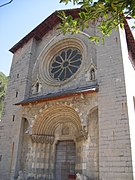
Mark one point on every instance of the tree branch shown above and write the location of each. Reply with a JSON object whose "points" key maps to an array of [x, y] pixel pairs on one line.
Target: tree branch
{"points": [[6, 3]]}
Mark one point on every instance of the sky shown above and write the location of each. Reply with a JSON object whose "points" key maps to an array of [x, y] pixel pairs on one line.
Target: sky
{"points": [[17, 19]]}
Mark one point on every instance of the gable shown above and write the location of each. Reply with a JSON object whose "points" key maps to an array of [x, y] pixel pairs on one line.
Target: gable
{"points": [[43, 28]]}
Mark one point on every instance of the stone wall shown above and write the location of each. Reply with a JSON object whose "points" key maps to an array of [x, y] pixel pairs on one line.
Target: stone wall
{"points": [[38, 158], [106, 152], [18, 89], [115, 159]]}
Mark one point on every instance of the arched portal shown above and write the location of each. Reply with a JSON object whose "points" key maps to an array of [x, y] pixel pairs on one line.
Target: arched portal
{"points": [[55, 134], [44, 127]]}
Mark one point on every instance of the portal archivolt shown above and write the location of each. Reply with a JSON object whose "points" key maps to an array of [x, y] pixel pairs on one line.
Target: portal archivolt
{"points": [[44, 127]]}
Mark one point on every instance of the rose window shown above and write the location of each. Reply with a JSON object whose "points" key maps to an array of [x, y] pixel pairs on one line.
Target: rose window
{"points": [[65, 64]]}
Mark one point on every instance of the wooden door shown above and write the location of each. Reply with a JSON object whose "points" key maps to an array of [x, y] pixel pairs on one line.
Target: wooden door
{"points": [[65, 160]]}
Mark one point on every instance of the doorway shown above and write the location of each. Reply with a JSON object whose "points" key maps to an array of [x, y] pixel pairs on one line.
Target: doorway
{"points": [[65, 160]]}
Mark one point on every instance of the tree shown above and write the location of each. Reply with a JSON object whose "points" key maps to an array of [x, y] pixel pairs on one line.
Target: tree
{"points": [[3, 87], [107, 14]]}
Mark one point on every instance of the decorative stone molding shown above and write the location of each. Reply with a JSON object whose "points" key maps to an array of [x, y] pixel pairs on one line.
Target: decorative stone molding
{"points": [[44, 59], [65, 130], [53, 116], [47, 139], [43, 130], [82, 134]]}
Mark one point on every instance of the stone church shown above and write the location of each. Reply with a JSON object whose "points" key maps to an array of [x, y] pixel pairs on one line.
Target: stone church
{"points": [[70, 106]]}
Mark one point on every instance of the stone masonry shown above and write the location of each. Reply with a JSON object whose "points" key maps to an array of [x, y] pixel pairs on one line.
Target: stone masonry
{"points": [[70, 106]]}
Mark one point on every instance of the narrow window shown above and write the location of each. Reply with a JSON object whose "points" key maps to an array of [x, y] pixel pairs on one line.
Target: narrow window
{"points": [[16, 94], [12, 152], [134, 101], [13, 118], [37, 87], [17, 76], [92, 74], [0, 157]]}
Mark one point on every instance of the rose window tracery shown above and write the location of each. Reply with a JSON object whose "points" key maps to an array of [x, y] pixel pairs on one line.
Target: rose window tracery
{"points": [[65, 63]]}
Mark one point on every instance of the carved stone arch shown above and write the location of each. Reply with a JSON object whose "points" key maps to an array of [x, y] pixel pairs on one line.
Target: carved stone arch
{"points": [[25, 118], [25, 124], [50, 115], [25, 143], [90, 118], [46, 124], [93, 142], [95, 108]]}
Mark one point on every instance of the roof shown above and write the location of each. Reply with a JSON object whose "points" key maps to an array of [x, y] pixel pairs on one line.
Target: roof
{"points": [[130, 39], [48, 24], [59, 95]]}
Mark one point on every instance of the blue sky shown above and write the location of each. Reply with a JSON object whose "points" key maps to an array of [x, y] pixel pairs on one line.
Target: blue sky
{"points": [[19, 18]]}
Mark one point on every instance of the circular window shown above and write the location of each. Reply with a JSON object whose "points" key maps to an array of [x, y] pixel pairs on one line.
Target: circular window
{"points": [[65, 63]]}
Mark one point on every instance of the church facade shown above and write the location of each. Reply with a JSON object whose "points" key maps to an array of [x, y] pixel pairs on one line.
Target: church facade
{"points": [[70, 106]]}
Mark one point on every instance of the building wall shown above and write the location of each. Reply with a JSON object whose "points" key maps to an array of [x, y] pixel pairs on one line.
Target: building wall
{"points": [[40, 157], [115, 159], [54, 42], [129, 73], [106, 152], [18, 89]]}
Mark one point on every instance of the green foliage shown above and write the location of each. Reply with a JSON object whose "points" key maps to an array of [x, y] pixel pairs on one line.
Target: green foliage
{"points": [[3, 86], [107, 14]]}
